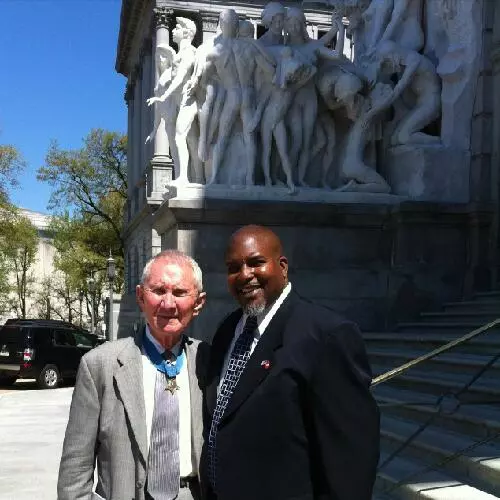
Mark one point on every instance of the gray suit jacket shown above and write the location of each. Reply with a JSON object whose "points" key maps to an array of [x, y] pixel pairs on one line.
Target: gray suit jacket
{"points": [[107, 422]]}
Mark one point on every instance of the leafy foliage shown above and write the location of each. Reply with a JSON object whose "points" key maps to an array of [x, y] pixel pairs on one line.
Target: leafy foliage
{"points": [[18, 249], [11, 165], [89, 194]]}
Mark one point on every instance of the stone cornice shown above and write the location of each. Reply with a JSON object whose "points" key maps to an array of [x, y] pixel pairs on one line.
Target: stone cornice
{"points": [[130, 16]]}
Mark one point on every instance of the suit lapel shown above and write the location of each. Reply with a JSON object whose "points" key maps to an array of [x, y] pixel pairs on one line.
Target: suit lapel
{"points": [[195, 398], [221, 344], [129, 381], [254, 372]]}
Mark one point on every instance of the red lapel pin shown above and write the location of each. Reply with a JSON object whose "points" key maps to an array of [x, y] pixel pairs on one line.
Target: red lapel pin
{"points": [[266, 364]]}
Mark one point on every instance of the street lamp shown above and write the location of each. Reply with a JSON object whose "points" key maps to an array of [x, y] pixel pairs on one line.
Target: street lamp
{"points": [[91, 285], [111, 272]]}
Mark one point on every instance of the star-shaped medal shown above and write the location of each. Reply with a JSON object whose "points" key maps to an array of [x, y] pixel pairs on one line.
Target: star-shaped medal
{"points": [[172, 385]]}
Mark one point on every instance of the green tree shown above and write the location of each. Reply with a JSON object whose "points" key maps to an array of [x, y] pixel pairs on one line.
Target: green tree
{"points": [[18, 248], [92, 183], [11, 165]]}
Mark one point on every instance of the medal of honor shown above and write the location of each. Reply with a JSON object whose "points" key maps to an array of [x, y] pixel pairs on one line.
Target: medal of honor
{"points": [[172, 385]]}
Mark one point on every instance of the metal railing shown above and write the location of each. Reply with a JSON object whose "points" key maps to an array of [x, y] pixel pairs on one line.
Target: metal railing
{"points": [[441, 404]]}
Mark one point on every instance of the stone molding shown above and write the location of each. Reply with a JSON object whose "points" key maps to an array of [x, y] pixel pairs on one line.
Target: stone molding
{"points": [[163, 17]]}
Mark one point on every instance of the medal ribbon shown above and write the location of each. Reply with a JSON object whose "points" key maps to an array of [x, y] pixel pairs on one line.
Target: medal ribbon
{"points": [[170, 369]]}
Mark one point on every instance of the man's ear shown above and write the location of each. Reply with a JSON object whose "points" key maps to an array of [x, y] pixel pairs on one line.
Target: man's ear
{"points": [[284, 266], [200, 302]]}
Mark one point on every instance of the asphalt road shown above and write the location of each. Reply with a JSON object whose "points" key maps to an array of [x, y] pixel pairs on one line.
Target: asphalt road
{"points": [[32, 425]]}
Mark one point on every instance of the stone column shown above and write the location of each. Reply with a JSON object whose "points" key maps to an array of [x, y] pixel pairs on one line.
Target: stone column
{"points": [[162, 167], [138, 139], [129, 100], [163, 20], [146, 123]]}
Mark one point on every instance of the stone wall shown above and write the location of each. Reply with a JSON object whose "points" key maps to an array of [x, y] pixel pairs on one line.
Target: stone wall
{"points": [[376, 263]]}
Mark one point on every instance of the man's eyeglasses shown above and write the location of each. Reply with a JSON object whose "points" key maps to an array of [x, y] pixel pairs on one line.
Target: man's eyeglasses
{"points": [[177, 293]]}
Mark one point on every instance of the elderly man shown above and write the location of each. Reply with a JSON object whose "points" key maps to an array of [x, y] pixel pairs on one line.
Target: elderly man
{"points": [[290, 414], [136, 408]]}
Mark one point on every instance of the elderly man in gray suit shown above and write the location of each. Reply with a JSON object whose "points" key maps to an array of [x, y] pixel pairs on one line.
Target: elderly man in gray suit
{"points": [[137, 403]]}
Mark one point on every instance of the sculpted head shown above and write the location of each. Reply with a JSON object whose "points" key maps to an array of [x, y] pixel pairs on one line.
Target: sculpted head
{"points": [[273, 17], [257, 270], [185, 29], [389, 56], [164, 56], [229, 23], [296, 24], [245, 29], [170, 295]]}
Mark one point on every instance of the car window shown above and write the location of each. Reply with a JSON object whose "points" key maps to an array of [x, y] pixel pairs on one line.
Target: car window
{"points": [[83, 340], [40, 336], [64, 338]]}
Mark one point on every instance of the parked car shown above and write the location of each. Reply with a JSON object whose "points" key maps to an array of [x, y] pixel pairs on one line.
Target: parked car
{"points": [[47, 350]]}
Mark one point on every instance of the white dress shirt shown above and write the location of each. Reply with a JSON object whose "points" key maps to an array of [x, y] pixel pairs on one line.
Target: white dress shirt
{"points": [[262, 321], [187, 468]]}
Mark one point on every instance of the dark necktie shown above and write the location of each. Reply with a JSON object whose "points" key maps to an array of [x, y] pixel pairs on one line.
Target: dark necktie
{"points": [[237, 361]]}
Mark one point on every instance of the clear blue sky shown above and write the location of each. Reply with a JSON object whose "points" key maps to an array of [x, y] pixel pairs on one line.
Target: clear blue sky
{"points": [[57, 80]]}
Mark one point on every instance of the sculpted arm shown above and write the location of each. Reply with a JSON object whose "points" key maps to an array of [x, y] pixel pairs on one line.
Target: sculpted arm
{"points": [[398, 12], [409, 72], [76, 471], [183, 71], [345, 416], [337, 26], [331, 55], [265, 61]]}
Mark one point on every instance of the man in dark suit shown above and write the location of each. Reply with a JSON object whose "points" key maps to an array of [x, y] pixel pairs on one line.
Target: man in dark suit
{"points": [[289, 414]]}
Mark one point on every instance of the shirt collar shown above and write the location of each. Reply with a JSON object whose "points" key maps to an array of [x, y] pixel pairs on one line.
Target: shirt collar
{"points": [[176, 349], [265, 318]]}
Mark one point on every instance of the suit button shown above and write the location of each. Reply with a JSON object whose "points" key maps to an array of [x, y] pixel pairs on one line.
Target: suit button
{"points": [[139, 485]]}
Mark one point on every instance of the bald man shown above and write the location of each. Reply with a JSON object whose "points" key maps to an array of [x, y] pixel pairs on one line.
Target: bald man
{"points": [[288, 404]]}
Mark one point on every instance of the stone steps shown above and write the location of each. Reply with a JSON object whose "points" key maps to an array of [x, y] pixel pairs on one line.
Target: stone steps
{"points": [[431, 485], [480, 466], [424, 395]]}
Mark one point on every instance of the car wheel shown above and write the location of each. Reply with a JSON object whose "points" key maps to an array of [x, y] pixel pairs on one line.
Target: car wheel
{"points": [[6, 381], [49, 377]]}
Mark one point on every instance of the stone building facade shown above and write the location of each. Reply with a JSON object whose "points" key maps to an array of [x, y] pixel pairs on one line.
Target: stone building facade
{"points": [[378, 258]]}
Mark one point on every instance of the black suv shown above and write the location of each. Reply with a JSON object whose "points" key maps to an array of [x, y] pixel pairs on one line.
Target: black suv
{"points": [[47, 350]]}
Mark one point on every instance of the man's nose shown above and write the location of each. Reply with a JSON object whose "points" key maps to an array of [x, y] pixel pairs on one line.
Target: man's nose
{"points": [[168, 300], [246, 271]]}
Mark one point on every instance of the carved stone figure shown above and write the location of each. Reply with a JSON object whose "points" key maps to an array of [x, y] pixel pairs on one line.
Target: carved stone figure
{"points": [[416, 74], [186, 105], [359, 176], [396, 20], [164, 61], [273, 18], [303, 111]]}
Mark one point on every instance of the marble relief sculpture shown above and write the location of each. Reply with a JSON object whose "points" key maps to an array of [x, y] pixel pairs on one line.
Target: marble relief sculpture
{"points": [[286, 111]]}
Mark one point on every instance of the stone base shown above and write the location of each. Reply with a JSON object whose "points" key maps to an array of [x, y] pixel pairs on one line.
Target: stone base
{"points": [[375, 263], [428, 173]]}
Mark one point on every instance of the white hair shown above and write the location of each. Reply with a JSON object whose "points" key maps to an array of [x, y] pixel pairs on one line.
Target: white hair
{"points": [[175, 257]]}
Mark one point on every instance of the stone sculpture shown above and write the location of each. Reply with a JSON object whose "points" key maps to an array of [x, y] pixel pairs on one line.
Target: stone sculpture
{"points": [[182, 107], [309, 114]]}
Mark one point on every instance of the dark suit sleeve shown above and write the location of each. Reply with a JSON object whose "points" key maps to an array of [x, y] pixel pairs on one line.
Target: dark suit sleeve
{"points": [[78, 457], [344, 418]]}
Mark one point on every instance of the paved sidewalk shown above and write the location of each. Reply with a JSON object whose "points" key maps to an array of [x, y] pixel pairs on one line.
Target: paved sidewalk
{"points": [[32, 425]]}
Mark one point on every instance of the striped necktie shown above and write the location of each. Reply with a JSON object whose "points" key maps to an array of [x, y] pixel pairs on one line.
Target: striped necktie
{"points": [[236, 365]]}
